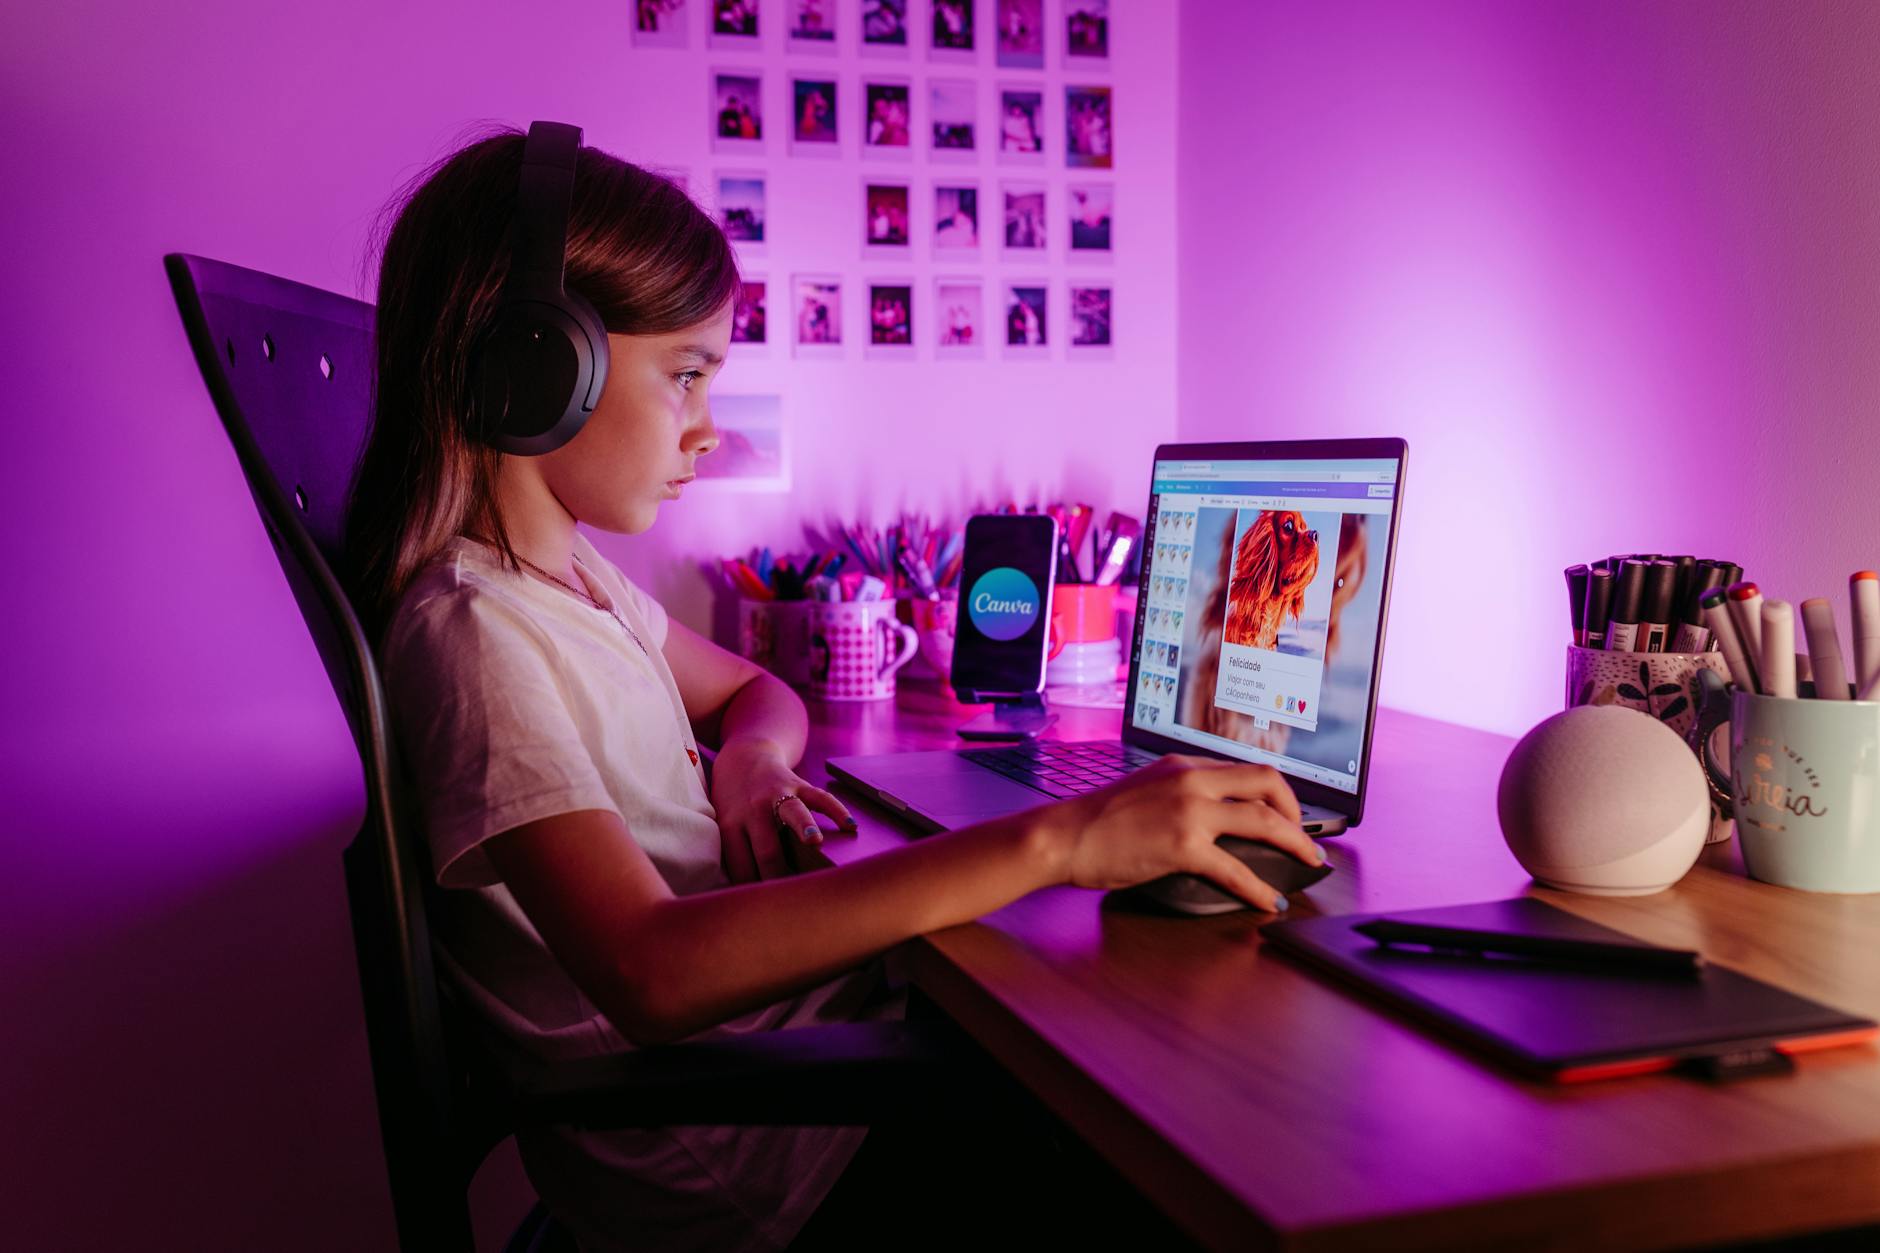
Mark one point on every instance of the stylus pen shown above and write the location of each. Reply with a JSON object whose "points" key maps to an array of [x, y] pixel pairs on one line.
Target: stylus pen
{"points": [[1470, 942]]}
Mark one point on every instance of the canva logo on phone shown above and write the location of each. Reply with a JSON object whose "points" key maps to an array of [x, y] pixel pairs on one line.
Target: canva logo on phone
{"points": [[1004, 603]]}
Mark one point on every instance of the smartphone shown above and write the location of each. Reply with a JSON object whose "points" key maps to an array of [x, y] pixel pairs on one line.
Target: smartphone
{"points": [[1006, 572]]}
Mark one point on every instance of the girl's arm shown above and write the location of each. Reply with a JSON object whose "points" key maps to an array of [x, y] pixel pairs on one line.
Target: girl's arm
{"points": [[663, 967]]}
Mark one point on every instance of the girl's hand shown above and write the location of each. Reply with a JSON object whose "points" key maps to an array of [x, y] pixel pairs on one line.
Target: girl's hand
{"points": [[747, 778], [1165, 818]]}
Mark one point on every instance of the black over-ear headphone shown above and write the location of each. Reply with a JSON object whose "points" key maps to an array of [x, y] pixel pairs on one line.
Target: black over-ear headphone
{"points": [[538, 371]]}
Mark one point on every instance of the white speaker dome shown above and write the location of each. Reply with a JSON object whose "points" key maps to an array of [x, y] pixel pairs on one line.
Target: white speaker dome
{"points": [[1604, 800]]}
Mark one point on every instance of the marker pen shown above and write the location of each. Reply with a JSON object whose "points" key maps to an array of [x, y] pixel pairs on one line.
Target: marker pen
{"points": [[1693, 636], [1777, 665], [1687, 572], [1661, 580], [1598, 606], [1746, 611], [1716, 605], [1576, 601], [1863, 592], [1824, 649], [1627, 596]]}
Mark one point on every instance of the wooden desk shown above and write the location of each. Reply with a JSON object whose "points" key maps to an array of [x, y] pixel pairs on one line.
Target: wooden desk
{"points": [[1262, 1107]]}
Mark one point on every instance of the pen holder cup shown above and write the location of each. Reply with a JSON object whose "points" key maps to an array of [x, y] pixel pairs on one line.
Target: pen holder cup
{"points": [[1804, 776], [856, 646], [1664, 685], [1082, 613], [775, 635]]}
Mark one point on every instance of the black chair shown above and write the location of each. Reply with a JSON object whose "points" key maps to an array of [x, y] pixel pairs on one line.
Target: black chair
{"points": [[288, 367]]}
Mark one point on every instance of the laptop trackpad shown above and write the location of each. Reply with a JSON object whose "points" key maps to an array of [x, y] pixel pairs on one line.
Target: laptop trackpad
{"points": [[945, 788]]}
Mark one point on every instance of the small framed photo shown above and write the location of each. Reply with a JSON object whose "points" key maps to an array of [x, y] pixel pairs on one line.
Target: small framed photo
{"points": [[1024, 216], [1025, 323], [1021, 125], [885, 220], [753, 453], [955, 221], [737, 111], [1092, 331], [810, 26], [887, 118], [1086, 31], [749, 322], [953, 35], [815, 119], [891, 319], [959, 319], [1020, 27], [884, 28], [733, 25], [816, 314], [659, 23], [953, 110], [1093, 205], [741, 207], [1087, 128]]}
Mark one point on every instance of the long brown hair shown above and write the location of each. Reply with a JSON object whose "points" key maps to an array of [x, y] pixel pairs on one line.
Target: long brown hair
{"points": [[644, 255]]}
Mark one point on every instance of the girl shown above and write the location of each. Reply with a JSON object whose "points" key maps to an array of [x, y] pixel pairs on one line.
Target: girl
{"points": [[599, 893]]}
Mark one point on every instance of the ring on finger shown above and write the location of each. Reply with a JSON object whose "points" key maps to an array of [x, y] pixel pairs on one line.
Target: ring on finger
{"points": [[776, 807]]}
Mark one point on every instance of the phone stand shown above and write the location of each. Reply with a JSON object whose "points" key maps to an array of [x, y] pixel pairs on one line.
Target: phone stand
{"points": [[1010, 718]]}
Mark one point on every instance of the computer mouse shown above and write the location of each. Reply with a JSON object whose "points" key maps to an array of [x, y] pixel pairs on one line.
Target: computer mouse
{"points": [[1192, 894]]}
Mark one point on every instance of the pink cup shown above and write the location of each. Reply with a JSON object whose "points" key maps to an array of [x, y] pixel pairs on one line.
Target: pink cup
{"points": [[855, 647]]}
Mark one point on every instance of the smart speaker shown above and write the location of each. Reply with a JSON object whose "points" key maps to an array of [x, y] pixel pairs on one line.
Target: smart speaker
{"points": [[1604, 800]]}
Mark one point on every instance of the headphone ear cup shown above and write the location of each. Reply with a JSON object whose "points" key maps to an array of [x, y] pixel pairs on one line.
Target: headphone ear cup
{"points": [[539, 373]]}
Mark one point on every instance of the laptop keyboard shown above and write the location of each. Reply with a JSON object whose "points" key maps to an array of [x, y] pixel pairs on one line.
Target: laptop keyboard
{"points": [[1060, 769]]}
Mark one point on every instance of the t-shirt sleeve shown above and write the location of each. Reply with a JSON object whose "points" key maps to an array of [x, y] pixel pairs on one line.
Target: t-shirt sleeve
{"points": [[650, 611], [483, 720]]}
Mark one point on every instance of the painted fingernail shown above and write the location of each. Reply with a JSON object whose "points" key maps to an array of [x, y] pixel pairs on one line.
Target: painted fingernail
{"points": [[1281, 905], [812, 834]]}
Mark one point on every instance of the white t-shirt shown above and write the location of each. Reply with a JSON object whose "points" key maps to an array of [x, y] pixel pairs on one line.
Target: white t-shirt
{"points": [[515, 700]]}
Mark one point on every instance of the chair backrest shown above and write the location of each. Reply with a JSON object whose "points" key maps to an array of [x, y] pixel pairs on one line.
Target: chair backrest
{"points": [[289, 370]]}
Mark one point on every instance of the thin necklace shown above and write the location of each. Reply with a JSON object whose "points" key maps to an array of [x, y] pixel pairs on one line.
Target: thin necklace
{"points": [[588, 596]]}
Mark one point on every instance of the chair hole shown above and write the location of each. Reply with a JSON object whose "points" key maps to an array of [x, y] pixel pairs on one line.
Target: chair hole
{"points": [[300, 497], [326, 366], [267, 347], [230, 345]]}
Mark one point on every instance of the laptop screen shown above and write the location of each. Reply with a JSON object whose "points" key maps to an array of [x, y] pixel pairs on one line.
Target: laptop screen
{"points": [[1261, 603]]}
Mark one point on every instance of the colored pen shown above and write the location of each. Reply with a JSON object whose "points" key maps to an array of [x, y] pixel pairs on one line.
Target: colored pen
{"points": [[1661, 582], [1716, 604], [1863, 593], [1577, 578], [1468, 941], [1746, 611], [1693, 636], [1627, 599], [1776, 666], [1598, 606], [1824, 649]]}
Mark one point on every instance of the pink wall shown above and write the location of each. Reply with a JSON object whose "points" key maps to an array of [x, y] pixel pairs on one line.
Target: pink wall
{"points": [[183, 1063], [1613, 269]]}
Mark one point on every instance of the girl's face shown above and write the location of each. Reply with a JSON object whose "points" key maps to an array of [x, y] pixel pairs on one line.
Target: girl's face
{"points": [[652, 424]]}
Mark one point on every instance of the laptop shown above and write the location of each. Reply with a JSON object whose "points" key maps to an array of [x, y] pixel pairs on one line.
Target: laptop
{"points": [[1264, 588]]}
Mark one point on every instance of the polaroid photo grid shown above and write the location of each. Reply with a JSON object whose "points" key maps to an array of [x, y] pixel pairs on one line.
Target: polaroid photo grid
{"points": [[953, 38], [810, 26], [890, 319], [815, 116], [750, 332], [737, 111], [884, 28], [816, 315]]}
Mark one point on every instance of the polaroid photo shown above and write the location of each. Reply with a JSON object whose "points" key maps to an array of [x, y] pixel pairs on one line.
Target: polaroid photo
{"points": [[884, 28], [815, 118], [753, 453], [953, 37], [750, 321], [1086, 31], [1092, 322], [953, 112], [737, 111], [1087, 128], [741, 209], [959, 318], [886, 220], [1019, 25], [1023, 218], [1092, 210], [1023, 305], [955, 221], [891, 319], [887, 118], [731, 25], [659, 23], [1021, 125], [816, 314], [810, 26]]}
